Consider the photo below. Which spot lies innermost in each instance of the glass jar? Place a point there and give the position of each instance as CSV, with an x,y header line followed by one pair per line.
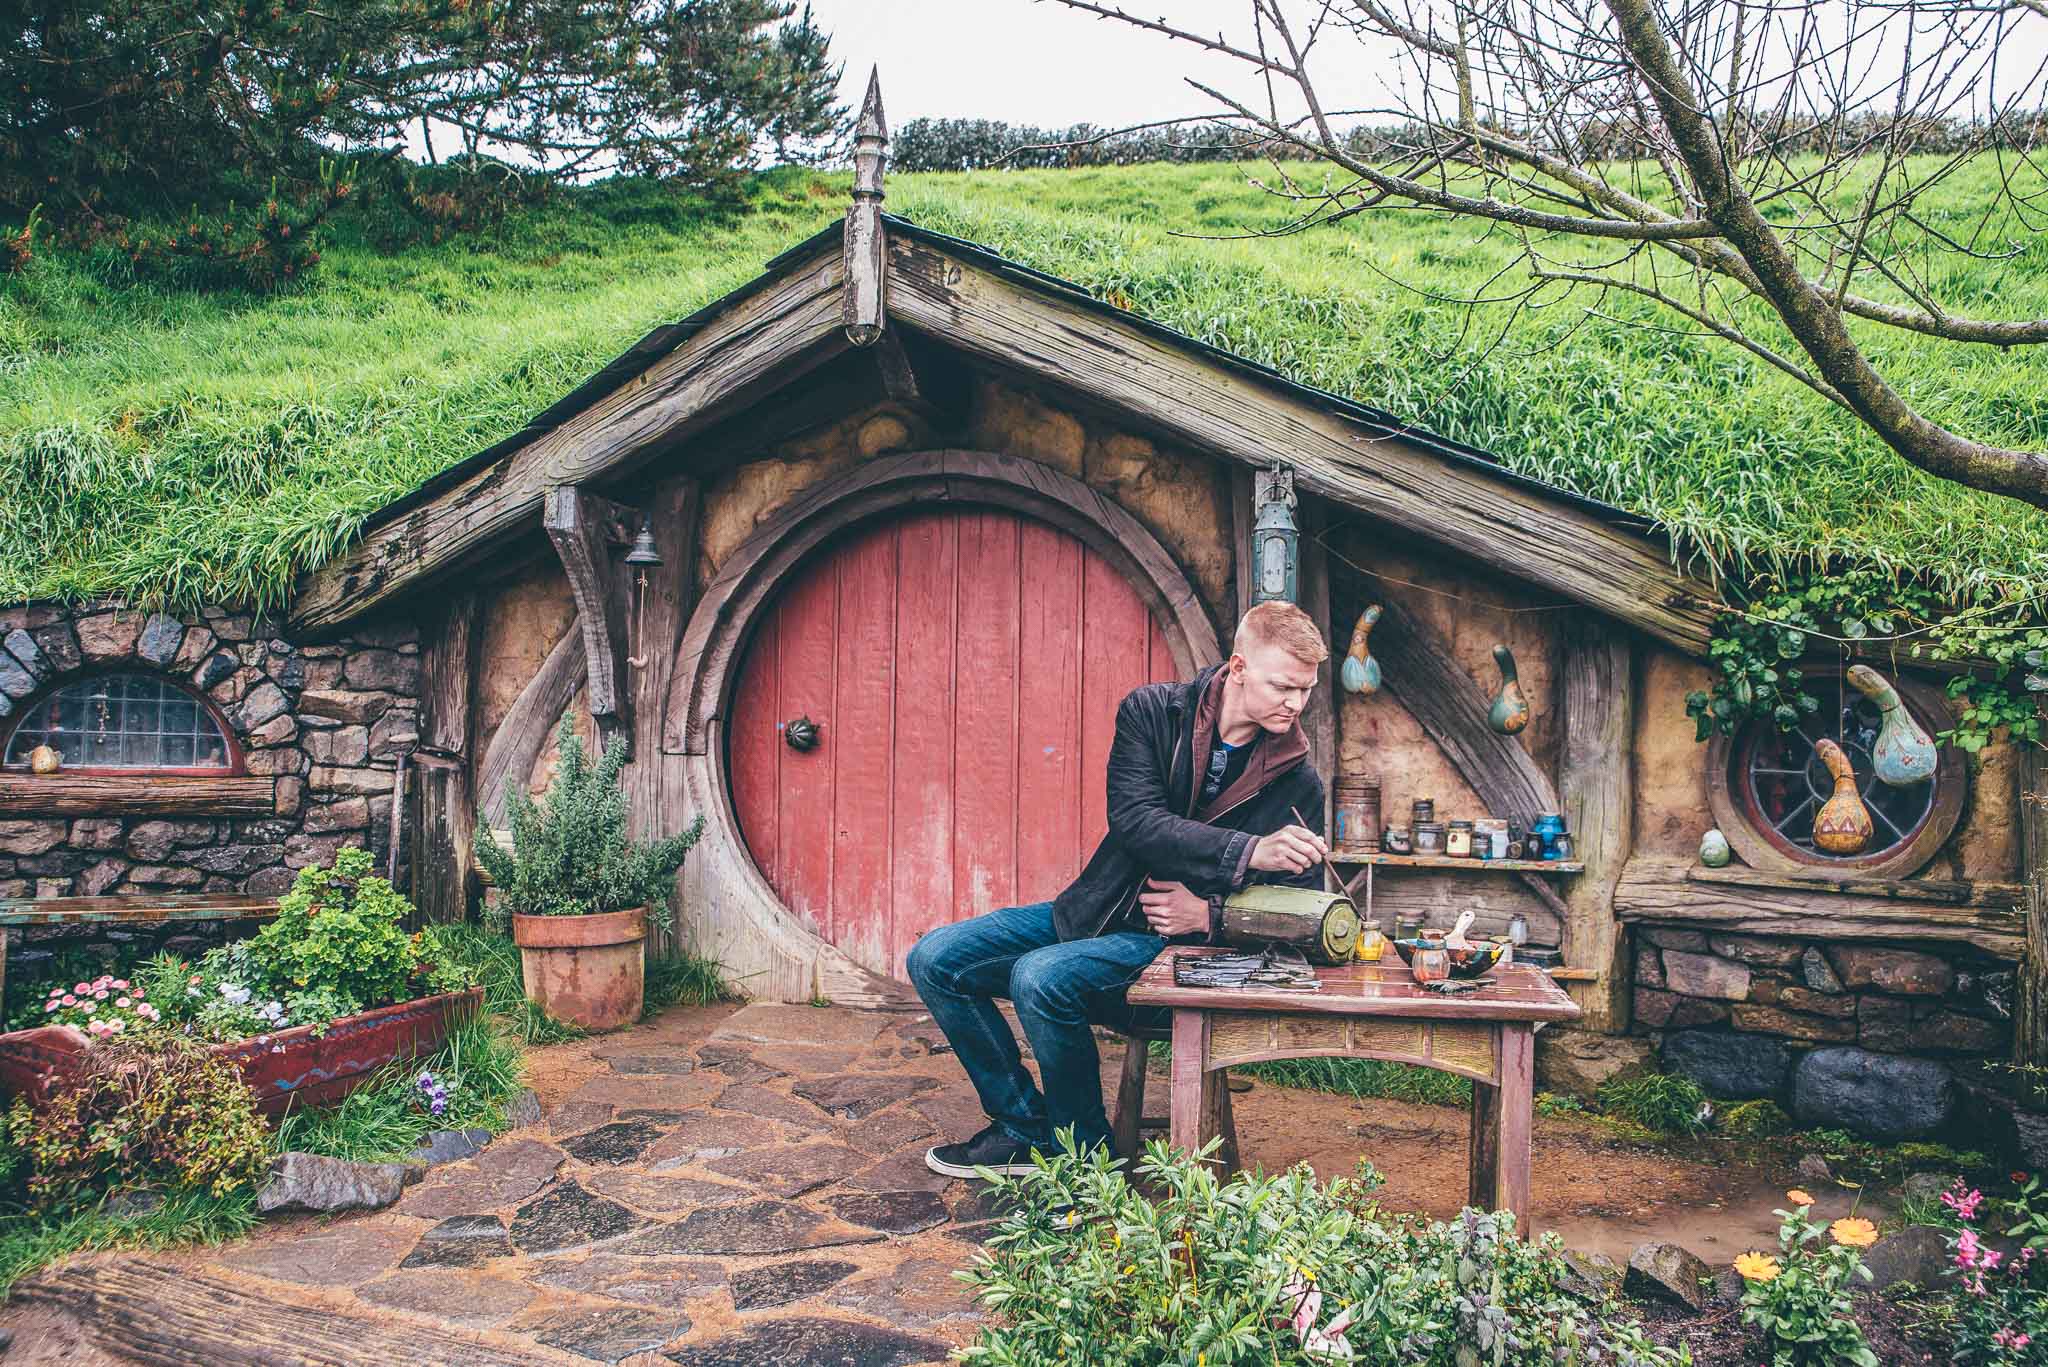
x,y
1429,838
1547,827
1422,810
1396,841
1458,840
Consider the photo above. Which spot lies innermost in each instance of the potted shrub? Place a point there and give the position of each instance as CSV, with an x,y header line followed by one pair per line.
x,y
580,893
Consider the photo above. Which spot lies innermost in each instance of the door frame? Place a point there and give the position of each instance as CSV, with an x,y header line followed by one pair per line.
x,y
730,911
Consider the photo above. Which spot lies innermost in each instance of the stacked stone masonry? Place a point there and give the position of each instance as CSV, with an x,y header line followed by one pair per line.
x,y
1869,1037
328,721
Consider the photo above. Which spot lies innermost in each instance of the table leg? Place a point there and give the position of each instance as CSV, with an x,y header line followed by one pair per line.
x,y
1193,1106
1501,1119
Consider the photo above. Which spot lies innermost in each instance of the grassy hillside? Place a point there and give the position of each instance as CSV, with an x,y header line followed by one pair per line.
x,y
181,446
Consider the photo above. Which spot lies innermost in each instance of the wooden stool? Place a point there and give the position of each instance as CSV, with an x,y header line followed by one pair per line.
x,y
1130,1117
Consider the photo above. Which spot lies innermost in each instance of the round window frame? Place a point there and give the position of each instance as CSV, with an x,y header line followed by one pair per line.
x,y
1766,850
236,765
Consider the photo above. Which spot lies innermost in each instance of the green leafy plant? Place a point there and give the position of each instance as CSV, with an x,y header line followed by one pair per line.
x,y
1754,1119
340,932
1663,1102
1560,1103
151,1109
2000,1306
1800,1298
571,855
1260,1269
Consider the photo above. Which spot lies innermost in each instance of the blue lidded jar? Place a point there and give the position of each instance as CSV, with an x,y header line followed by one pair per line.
x,y
1548,826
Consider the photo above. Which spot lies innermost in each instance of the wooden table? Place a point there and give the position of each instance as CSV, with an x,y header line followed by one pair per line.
x,y
1371,1011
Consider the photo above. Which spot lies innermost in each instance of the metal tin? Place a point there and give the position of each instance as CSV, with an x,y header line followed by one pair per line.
x,y
1322,925
1429,838
1355,809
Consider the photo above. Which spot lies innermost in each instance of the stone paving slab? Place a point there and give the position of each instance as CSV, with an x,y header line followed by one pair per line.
x,y
569,1217
774,1023
914,1294
657,1092
751,1099
471,1302
343,1254
790,1171
759,1288
609,1334
756,1227
810,1341
505,1174
665,1192
706,1135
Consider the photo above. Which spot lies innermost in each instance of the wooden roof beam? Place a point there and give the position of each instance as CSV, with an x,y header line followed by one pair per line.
x,y
761,341
1488,517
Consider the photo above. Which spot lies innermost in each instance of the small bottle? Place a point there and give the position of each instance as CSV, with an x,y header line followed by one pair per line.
x,y
1518,929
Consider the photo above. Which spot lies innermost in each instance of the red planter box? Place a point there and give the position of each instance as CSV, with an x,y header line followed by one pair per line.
x,y
289,1068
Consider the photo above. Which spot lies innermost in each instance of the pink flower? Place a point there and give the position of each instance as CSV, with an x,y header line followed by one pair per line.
x,y
90,1007
123,1003
82,989
100,995
116,1027
70,1000
1966,1249
51,1006
1965,1207
121,983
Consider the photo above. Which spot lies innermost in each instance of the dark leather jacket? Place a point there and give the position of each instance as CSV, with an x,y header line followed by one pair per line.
x,y
1152,796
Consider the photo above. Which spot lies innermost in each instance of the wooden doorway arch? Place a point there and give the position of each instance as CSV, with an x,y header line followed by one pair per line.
x,y
731,912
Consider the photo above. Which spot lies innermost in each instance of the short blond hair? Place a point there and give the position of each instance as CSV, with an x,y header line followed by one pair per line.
x,y
1281,624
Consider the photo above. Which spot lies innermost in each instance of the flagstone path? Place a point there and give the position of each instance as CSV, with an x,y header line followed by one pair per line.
x,y
748,1190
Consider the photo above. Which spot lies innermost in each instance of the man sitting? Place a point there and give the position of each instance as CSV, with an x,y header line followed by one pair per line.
x,y
1204,780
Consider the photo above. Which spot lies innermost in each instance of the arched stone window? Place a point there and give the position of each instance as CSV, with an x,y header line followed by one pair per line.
x,y
123,723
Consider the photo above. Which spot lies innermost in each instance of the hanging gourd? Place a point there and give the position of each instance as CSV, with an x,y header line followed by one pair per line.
x,y
1843,825
1361,672
1904,753
1510,711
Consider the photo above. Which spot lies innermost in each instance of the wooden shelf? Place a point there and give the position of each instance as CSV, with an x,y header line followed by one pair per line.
x,y
1445,861
137,794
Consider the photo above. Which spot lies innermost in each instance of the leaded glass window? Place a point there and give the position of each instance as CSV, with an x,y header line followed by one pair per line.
x,y
122,721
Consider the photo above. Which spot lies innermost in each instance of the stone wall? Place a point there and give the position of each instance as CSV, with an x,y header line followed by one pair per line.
x,y
328,721
1867,1037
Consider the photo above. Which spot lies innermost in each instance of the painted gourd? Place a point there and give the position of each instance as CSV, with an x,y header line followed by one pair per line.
x,y
1510,711
1361,672
1714,851
44,760
1904,753
1843,825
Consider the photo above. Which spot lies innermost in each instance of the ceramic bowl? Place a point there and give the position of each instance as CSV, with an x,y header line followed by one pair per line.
x,y
1475,962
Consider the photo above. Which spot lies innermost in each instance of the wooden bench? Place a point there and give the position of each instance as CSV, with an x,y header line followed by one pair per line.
x,y
21,913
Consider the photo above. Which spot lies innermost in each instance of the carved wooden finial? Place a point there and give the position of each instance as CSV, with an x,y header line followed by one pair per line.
x,y
865,251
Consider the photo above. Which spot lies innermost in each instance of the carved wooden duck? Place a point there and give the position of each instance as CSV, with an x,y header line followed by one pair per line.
x,y
1510,711
1361,672
1842,826
1904,753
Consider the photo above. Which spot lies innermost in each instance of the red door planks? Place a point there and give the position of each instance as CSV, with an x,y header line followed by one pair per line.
x,y
964,666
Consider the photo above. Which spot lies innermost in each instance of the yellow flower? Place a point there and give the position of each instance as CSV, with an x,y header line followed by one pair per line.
x,y
1856,1233
1757,1267
1798,1197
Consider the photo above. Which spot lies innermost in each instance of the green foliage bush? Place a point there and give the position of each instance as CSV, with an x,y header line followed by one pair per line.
x,y
1754,1119
340,930
1800,1298
571,855
1663,1102
151,1109
1086,1268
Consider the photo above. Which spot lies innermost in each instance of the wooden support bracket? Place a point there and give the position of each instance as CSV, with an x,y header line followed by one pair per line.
x,y
585,529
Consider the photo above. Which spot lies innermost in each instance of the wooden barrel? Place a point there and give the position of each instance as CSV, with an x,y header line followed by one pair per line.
x,y
1322,925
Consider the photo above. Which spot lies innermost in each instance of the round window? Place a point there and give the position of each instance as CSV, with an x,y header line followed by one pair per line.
x,y
1767,785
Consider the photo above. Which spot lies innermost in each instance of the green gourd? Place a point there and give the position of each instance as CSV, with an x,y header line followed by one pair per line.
x,y
1510,710
1361,672
1904,753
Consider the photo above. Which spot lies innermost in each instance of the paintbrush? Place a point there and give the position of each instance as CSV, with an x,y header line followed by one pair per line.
x,y
1326,858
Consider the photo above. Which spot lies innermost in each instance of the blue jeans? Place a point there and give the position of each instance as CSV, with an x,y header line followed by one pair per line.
x,y
1059,990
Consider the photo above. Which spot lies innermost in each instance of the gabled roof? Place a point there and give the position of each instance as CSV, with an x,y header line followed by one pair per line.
x,y
736,350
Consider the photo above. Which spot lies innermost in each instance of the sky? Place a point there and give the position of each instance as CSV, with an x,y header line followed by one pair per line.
x,y
1023,61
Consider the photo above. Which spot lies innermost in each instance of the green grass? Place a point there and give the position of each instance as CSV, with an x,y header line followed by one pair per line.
x,y
385,1119
1366,1078
1664,1103
30,1242
186,447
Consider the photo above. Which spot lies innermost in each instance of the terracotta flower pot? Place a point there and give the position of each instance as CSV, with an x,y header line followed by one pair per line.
x,y
588,971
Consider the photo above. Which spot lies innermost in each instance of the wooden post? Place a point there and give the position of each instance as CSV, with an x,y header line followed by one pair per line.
x,y
866,253
584,529
1319,718
1597,786
2030,1030
445,814
654,780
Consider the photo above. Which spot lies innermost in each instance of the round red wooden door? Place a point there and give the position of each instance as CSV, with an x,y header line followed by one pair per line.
x,y
964,668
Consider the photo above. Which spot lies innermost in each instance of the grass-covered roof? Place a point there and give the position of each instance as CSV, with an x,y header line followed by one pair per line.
x,y
186,447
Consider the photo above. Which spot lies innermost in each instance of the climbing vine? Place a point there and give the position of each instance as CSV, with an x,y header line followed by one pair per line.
x,y
1997,639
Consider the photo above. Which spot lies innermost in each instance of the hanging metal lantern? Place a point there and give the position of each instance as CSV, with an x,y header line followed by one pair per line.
x,y
1276,544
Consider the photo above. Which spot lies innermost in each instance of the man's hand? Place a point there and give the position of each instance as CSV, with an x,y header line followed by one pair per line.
x,y
1289,850
1170,909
